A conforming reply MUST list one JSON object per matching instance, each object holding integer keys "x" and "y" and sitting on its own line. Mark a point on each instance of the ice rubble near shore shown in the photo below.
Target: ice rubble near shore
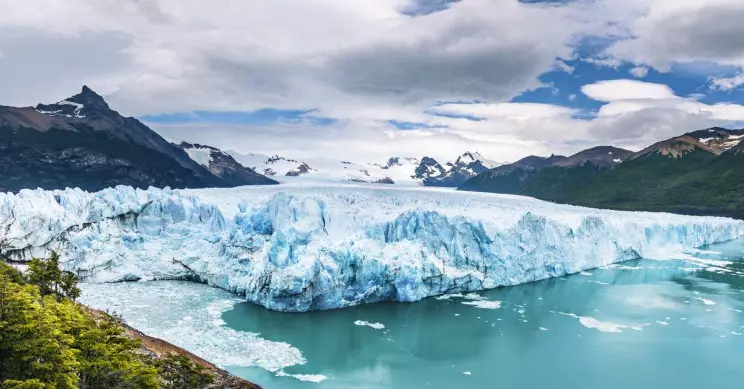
{"x": 300, "y": 248}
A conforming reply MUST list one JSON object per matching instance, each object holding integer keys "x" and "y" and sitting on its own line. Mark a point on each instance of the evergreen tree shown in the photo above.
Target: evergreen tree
{"x": 47, "y": 341}
{"x": 68, "y": 285}
{"x": 179, "y": 372}
{"x": 46, "y": 274}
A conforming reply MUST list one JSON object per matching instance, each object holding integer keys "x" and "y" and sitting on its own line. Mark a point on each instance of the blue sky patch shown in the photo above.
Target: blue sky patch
{"x": 260, "y": 117}
{"x": 425, "y": 7}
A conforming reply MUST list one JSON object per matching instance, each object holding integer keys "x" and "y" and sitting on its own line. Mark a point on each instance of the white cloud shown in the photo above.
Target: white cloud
{"x": 365, "y": 63}
{"x": 512, "y": 111}
{"x": 639, "y": 72}
{"x": 362, "y": 63}
{"x": 726, "y": 83}
{"x": 563, "y": 66}
{"x": 604, "y": 62}
{"x": 615, "y": 90}
{"x": 669, "y": 31}
{"x": 636, "y": 114}
{"x": 630, "y": 96}
{"x": 225, "y": 55}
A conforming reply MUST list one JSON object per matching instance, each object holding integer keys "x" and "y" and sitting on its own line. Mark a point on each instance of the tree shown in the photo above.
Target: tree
{"x": 108, "y": 358}
{"x": 68, "y": 285}
{"x": 38, "y": 274}
{"x": 179, "y": 372}
{"x": 47, "y": 341}
{"x": 33, "y": 344}
{"x": 27, "y": 384}
{"x": 46, "y": 274}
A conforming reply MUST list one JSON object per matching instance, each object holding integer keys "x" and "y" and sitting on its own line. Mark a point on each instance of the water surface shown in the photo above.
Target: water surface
{"x": 664, "y": 324}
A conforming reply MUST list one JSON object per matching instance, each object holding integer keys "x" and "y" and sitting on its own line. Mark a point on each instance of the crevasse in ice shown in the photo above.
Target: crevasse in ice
{"x": 305, "y": 248}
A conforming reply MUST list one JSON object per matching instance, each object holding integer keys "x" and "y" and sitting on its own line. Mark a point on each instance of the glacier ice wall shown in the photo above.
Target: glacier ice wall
{"x": 302, "y": 248}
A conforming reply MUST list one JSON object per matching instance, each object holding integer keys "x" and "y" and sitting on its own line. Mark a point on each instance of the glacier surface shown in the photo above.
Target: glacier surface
{"x": 299, "y": 248}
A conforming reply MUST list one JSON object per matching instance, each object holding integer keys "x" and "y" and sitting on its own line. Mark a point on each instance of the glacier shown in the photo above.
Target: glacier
{"x": 300, "y": 248}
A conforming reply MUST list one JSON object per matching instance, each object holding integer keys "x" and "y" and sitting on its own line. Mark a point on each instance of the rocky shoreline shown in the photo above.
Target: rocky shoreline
{"x": 158, "y": 348}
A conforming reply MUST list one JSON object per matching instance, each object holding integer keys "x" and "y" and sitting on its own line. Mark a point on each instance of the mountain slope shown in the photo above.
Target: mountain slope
{"x": 325, "y": 169}
{"x": 538, "y": 176}
{"x": 81, "y": 142}
{"x": 465, "y": 166}
{"x": 224, "y": 166}
{"x": 699, "y": 173}
{"x": 697, "y": 182}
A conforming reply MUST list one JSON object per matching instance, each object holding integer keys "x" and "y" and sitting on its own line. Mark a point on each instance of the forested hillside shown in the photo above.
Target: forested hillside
{"x": 699, "y": 173}
{"x": 48, "y": 341}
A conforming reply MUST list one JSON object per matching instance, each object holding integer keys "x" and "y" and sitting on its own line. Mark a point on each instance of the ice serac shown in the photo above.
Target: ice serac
{"x": 299, "y": 248}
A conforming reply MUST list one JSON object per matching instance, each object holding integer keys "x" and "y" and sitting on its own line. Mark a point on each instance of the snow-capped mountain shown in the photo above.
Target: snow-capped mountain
{"x": 713, "y": 141}
{"x": 396, "y": 170}
{"x": 273, "y": 166}
{"x": 465, "y": 167}
{"x": 81, "y": 142}
{"x": 299, "y": 248}
{"x": 429, "y": 172}
{"x": 719, "y": 139}
{"x": 223, "y": 165}
{"x": 325, "y": 169}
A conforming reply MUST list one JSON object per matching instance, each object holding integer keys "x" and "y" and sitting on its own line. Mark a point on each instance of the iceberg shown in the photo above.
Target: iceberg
{"x": 300, "y": 248}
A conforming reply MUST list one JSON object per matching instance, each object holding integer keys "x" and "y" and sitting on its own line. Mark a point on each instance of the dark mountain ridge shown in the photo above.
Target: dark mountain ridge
{"x": 81, "y": 142}
{"x": 698, "y": 173}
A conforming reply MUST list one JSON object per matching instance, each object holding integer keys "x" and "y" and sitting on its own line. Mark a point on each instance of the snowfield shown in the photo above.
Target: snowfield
{"x": 300, "y": 248}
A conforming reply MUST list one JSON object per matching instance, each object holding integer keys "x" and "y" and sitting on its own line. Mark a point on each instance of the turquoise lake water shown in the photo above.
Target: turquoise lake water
{"x": 641, "y": 324}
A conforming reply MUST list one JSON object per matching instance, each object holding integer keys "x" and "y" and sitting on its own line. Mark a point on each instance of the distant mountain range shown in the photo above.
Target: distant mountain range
{"x": 396, "y": 170}
{"x": 431, "y": 173}
{"x": 81, "y": 142}
{"x": 223, "y": 165}
{"x": 326, "y": 169}
{"x": 700, "y": 172}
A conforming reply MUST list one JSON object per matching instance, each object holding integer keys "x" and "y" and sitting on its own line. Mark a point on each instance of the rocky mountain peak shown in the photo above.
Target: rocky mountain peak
{"x": 677, "y": 147}
{"x": 78, "y": 106}
{"x": 90, "y": 99}
{"x": 718, "y": 139}
{"x": 428, "y": 167}
{"x": 602, "y": 156}
{"x": 468, "y": 157}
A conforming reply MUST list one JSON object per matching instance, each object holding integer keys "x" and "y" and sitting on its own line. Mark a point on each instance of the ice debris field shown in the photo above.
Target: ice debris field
{"x": 312, "y": 248}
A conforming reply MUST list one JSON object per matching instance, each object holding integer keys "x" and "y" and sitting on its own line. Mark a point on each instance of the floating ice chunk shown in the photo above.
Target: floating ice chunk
{"x": 603, "y": 326}
{"x": 484, "y": 304}
{"x": 303, "y": 377}
{"x": 449, "y": 296}
{"x": 377, "y": 326}
{"x": 467, "y": 373}
{"x": 705, "y": 301}
{"x": 623, "y": 267}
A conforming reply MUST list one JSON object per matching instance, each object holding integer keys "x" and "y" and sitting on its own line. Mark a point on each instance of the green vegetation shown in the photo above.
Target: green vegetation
{"x": 178, "y": 372}
{"x": 47, "y": 341}
{"x": 698, "y": 183}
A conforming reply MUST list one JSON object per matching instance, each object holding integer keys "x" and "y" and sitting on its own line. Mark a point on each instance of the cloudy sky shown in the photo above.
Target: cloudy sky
{"x": 369, "y": 79}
